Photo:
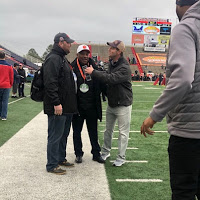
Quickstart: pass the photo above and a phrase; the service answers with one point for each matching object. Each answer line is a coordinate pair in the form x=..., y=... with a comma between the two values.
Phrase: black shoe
x=99, y=159
x=78, y=159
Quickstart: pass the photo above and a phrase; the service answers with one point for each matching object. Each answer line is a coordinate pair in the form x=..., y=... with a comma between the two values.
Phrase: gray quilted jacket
x=180, y=101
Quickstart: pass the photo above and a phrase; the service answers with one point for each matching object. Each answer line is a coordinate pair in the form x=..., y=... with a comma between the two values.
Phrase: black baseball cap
x=16, y=64
x=62, y=37
x=185, y=2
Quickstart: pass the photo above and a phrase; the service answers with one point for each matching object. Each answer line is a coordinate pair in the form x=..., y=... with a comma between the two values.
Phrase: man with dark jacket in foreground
x=89, y=105
x=120, y=97
x=180, y=103
x=59, y=102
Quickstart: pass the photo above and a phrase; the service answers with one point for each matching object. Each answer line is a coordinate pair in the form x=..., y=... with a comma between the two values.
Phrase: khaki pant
x=121, y=115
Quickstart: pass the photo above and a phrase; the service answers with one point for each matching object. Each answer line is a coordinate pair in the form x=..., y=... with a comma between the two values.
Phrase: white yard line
x=138, y=131
x=117, y=138
x=140, y=180
x=129, y=148
x=134, y=161
x=18, y=100
x=133, y=111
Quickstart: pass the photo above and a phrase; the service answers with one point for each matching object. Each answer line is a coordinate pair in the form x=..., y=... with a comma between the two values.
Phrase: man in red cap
x=180, y=103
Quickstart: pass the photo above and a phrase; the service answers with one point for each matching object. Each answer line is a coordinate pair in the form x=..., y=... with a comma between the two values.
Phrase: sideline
x=23, y=175
x=18, y=100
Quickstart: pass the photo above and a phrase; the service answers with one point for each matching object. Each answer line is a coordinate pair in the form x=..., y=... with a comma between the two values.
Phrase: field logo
x=155, y=59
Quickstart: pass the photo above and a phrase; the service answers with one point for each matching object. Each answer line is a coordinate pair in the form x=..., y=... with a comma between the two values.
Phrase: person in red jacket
x=6, y=82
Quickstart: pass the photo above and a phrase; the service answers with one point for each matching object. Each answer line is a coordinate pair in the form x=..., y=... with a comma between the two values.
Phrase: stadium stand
x=12, y=58
x=101, y=52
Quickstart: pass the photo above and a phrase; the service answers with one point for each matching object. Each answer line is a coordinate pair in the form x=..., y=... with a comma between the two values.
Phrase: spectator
x=16, y=81
x=22, y=74
x=119, y=93
x=59, y=102
x=89, y=106
x=160, y=78
x=6, y=82
x=180, y=103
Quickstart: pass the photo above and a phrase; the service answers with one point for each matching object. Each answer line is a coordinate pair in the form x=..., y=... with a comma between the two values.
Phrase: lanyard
x=81, y=71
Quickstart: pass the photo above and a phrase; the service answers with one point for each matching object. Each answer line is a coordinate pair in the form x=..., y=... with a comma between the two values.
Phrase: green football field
x=146, y=174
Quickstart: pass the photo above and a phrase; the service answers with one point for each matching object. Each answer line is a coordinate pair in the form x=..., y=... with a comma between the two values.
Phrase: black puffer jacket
x=59, y=83
x=118, y=80
x=89, y=101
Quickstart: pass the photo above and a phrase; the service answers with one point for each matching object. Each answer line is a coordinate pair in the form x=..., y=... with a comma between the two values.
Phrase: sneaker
x=3, y=119
x=58, y=171
x=66, y=164
x=118, y=163
x=105, y=156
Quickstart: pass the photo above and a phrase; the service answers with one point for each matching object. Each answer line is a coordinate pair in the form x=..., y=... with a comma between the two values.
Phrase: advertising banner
x=152, y=59
x=144, y=29
x=149, y=38
x=163, y=39
x=158, y=49
x=165, y=30
x=137, y=39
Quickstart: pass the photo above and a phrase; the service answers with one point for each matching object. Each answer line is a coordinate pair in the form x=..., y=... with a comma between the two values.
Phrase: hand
x=147, y=124
x=89, y=69
x=58, y=110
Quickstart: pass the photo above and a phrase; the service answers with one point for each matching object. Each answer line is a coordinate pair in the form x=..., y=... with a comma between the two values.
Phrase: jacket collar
x=57, y=50
x=116, y=63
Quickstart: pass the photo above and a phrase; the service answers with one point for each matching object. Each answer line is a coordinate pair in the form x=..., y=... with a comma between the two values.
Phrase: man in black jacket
x=59, y=102
x=22, y=74
x=89, y=105
x=120, y=97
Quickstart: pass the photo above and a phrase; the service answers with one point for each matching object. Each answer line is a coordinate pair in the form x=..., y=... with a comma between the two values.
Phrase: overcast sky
x=26, y=24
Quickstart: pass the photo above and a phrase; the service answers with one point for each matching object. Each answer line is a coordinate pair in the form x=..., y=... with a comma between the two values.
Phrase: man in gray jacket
x=120, y=97
x=180, y=103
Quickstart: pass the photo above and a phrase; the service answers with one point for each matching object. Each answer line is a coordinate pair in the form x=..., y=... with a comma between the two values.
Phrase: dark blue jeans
x=58, y=131
x=4, y=96
x=184, y=161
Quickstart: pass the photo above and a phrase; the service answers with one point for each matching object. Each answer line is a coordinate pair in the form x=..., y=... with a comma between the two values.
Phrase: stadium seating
x=14, y=58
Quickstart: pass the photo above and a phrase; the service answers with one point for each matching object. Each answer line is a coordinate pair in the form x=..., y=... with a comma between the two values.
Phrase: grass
x=19, y=114
x=152, y=149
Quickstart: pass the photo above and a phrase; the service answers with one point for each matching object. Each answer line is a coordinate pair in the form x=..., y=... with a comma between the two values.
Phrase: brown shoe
x=58, y=171
x=66, y=164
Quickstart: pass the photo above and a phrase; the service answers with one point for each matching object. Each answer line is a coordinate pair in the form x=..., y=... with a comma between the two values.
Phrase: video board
x=142, y=27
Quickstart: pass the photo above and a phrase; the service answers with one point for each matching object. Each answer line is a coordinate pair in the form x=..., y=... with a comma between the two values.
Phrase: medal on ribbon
x=83, y=87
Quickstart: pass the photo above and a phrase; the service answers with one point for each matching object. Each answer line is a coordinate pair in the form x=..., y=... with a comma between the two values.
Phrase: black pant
x=21, y=89
x=77, y=124
x=184, y=161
